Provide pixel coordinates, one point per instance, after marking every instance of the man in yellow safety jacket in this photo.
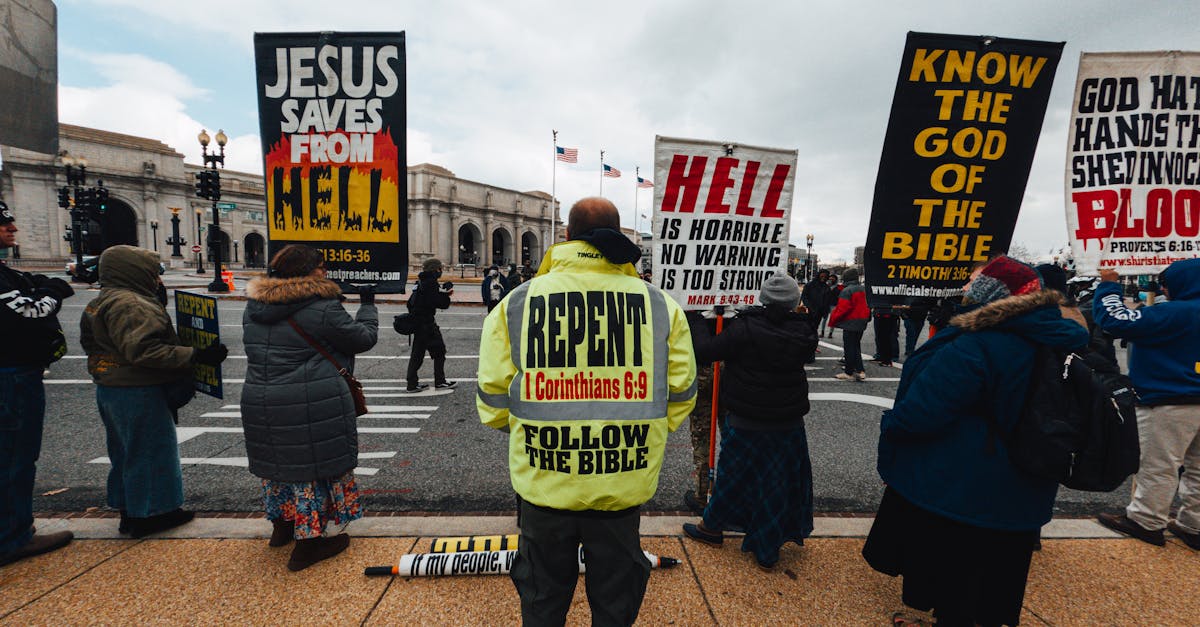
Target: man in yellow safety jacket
(587, 367)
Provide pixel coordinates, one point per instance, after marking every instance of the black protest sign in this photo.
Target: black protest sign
(198, 327)
(1133, 161)
(332, 117)
(960, 141)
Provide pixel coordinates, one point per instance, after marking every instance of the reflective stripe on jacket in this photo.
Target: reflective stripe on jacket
(589, 367)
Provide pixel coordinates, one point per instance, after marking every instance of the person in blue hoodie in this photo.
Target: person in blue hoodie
(1164, 363)
(957, 520)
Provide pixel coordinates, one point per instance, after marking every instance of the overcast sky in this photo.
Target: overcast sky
(487, 81)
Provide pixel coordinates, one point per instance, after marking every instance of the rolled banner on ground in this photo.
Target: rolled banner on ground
(455, 544)
(474, 563)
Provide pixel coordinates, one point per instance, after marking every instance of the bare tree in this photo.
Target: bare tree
(1021, 252)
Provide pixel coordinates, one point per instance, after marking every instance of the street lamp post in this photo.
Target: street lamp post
(154, 230)
(175, 241)
(208, 185)
(235, 255)
(809, 270)
(199, 238)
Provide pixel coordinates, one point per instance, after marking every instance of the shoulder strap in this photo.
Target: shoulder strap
(317, 345)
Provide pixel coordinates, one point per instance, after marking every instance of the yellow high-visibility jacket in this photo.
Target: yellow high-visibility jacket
(589, 367)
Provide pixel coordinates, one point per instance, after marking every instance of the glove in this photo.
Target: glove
(58, 288)
(366, 294)
(210, 355)
(447, 286)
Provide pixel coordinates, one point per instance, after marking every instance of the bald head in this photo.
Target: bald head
(592, 213)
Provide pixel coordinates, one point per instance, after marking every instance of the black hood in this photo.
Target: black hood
(612, 244)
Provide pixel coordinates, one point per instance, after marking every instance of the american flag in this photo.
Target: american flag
(611, 172)
(569, 155)
(645, 182)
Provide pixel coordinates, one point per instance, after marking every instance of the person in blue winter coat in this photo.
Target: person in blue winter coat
(958, 521)
(1164, 363)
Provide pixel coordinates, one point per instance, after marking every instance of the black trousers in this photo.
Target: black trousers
(546, 567)
(887, 338)
(428, 338)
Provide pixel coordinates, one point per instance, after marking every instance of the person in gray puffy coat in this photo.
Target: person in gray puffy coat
(297, 411)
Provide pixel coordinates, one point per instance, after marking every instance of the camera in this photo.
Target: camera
(447, 286)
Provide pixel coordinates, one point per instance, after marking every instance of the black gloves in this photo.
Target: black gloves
(447, 287)
(58, 288)
(210, 355)
(366, 294)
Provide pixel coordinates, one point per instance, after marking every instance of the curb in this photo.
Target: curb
(435, 526)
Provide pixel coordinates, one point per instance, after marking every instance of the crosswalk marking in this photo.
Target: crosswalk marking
(244, 462)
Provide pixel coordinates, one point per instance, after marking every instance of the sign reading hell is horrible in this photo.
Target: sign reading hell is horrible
(332, 119)
(721, 218)
(1133, 161)
(196, 322)
(964, 125)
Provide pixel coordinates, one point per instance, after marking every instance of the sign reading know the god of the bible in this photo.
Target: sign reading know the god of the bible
(196, 322)
(721, 218)
(960, 141)
(1133, 161)
(331, 111)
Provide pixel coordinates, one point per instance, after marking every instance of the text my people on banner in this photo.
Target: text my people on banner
(963, 129)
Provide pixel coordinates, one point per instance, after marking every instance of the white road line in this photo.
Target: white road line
(372, 408)
(222, 414)
(869, 379)
(833, 346)
(244, 462)
(398, 416)
(866, 399)
(356, 357)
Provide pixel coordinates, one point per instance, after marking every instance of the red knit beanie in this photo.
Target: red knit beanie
(1003, 277)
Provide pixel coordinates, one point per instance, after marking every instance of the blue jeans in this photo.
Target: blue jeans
(22, 412)
(145, 478)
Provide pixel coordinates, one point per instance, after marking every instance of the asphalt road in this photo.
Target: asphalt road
(428, 451)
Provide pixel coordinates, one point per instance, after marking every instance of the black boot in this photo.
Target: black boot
(282, 533)
(309, 552)
(142, 527)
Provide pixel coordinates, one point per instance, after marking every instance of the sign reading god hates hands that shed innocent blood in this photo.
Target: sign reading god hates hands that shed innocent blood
(721, 219)
(1133, 161)
(332, 118)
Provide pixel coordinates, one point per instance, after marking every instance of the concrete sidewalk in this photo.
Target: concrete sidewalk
(220, 570)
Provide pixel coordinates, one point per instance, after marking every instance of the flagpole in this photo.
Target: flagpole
(601, 173)
(637, 175)
(553, 184)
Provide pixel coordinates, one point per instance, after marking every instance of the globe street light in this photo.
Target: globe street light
(809, 270)
(208, 186)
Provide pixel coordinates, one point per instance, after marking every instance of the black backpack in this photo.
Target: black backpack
(405, 324)
(1078, 425)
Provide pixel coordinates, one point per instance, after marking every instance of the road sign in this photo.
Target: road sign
(196, 248)
(227, 206)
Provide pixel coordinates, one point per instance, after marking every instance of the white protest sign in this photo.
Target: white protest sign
(721, 218)
(1133, 162)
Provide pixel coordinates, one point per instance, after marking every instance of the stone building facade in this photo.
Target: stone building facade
(456, 220)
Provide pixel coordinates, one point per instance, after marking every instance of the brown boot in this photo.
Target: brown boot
(38, 544)
(282, 533)
(309, 552)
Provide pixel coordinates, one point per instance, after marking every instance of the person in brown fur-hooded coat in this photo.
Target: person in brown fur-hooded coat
(297, 411)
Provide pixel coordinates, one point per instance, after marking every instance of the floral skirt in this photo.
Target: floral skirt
(313, 505)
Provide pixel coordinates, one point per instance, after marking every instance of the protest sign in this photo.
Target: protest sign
(1133, 161)
(963, 129)
(332, 117)
(196, 322)
(721, 218)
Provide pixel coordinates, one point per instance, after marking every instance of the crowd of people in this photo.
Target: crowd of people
(958, 521)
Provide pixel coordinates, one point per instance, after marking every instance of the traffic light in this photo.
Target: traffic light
(101, 200)
(214, 185)
(208, 184)
(64, 197)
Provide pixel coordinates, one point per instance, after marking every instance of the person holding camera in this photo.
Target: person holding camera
(426, 299)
